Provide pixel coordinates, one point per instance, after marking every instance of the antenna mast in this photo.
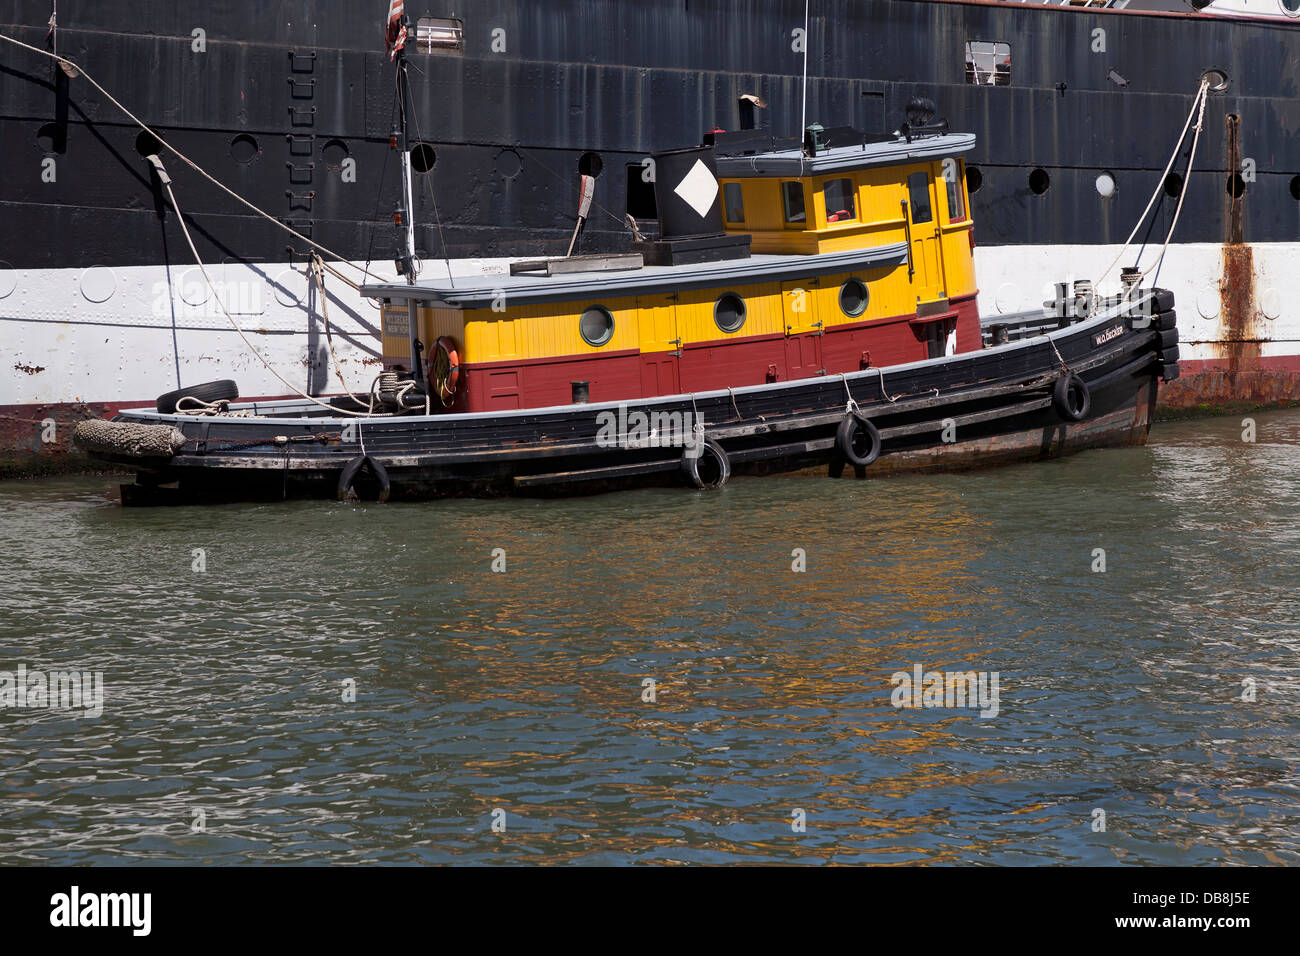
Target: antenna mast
(803, 114)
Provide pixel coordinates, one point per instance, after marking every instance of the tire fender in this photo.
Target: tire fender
(854, 425)
(348, 478)
(1071, 398)
(706, 448)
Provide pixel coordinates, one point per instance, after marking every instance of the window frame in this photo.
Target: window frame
(785, 204)
(744, 312)
(609, 335)
(852, 197)
(972, 67)
(451, 37)
(957, 187)
(726, 202)
(866, 297)
(911, 197)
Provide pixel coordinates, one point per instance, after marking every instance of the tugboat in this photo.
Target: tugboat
(805, 306)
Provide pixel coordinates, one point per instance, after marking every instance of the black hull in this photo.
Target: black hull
(305, 87)
(951, 413)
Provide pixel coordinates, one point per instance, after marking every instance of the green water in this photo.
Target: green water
(229, 734)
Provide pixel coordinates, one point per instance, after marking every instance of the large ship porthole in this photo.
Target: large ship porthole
(335, 152)
(147, 144)
(596, 326)
(853, 298)
(423, 157)
(729, 312)
(244, 149)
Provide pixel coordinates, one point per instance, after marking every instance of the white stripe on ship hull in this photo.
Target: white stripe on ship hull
(127, 334)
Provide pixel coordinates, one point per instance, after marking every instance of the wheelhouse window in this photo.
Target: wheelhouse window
(988, 63)
(734, 198)
(918, 189)
(841, 204)
(956, 198)
(792, 196)
(439, 35)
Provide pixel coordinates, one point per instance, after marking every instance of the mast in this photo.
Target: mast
(408, 205)
(408, 202)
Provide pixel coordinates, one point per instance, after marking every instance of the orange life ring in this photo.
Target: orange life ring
(444, 370)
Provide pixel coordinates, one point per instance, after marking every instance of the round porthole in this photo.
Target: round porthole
(147, 144)
(1173, 185)
(1236, 185)
(729, 312)
(1039, 181)
(974, 179)
(1217, 79)
(243, 149)
(1106, 185)
(51, 138)
(596, 325)
(334, 152)
(590, 164)
(853, 298)
(423, 157)
(1295, 188)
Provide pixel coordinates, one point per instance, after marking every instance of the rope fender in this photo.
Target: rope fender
(128, 438)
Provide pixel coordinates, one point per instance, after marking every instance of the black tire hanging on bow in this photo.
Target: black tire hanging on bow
(858, 440)
(363, 468)
(1071, 398)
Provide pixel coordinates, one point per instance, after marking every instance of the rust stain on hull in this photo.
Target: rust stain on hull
(1237, 281)
(1241, 345)
(1234, 375)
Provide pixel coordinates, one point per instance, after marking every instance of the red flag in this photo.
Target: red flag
(395, 35)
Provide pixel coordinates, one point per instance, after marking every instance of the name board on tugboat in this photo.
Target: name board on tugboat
(1101, 338)
(397, 321)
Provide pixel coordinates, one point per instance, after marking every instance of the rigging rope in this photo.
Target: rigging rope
(166, 181)
(1182, 195)
(1198, 103)
(428, 186)
(318, 269)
